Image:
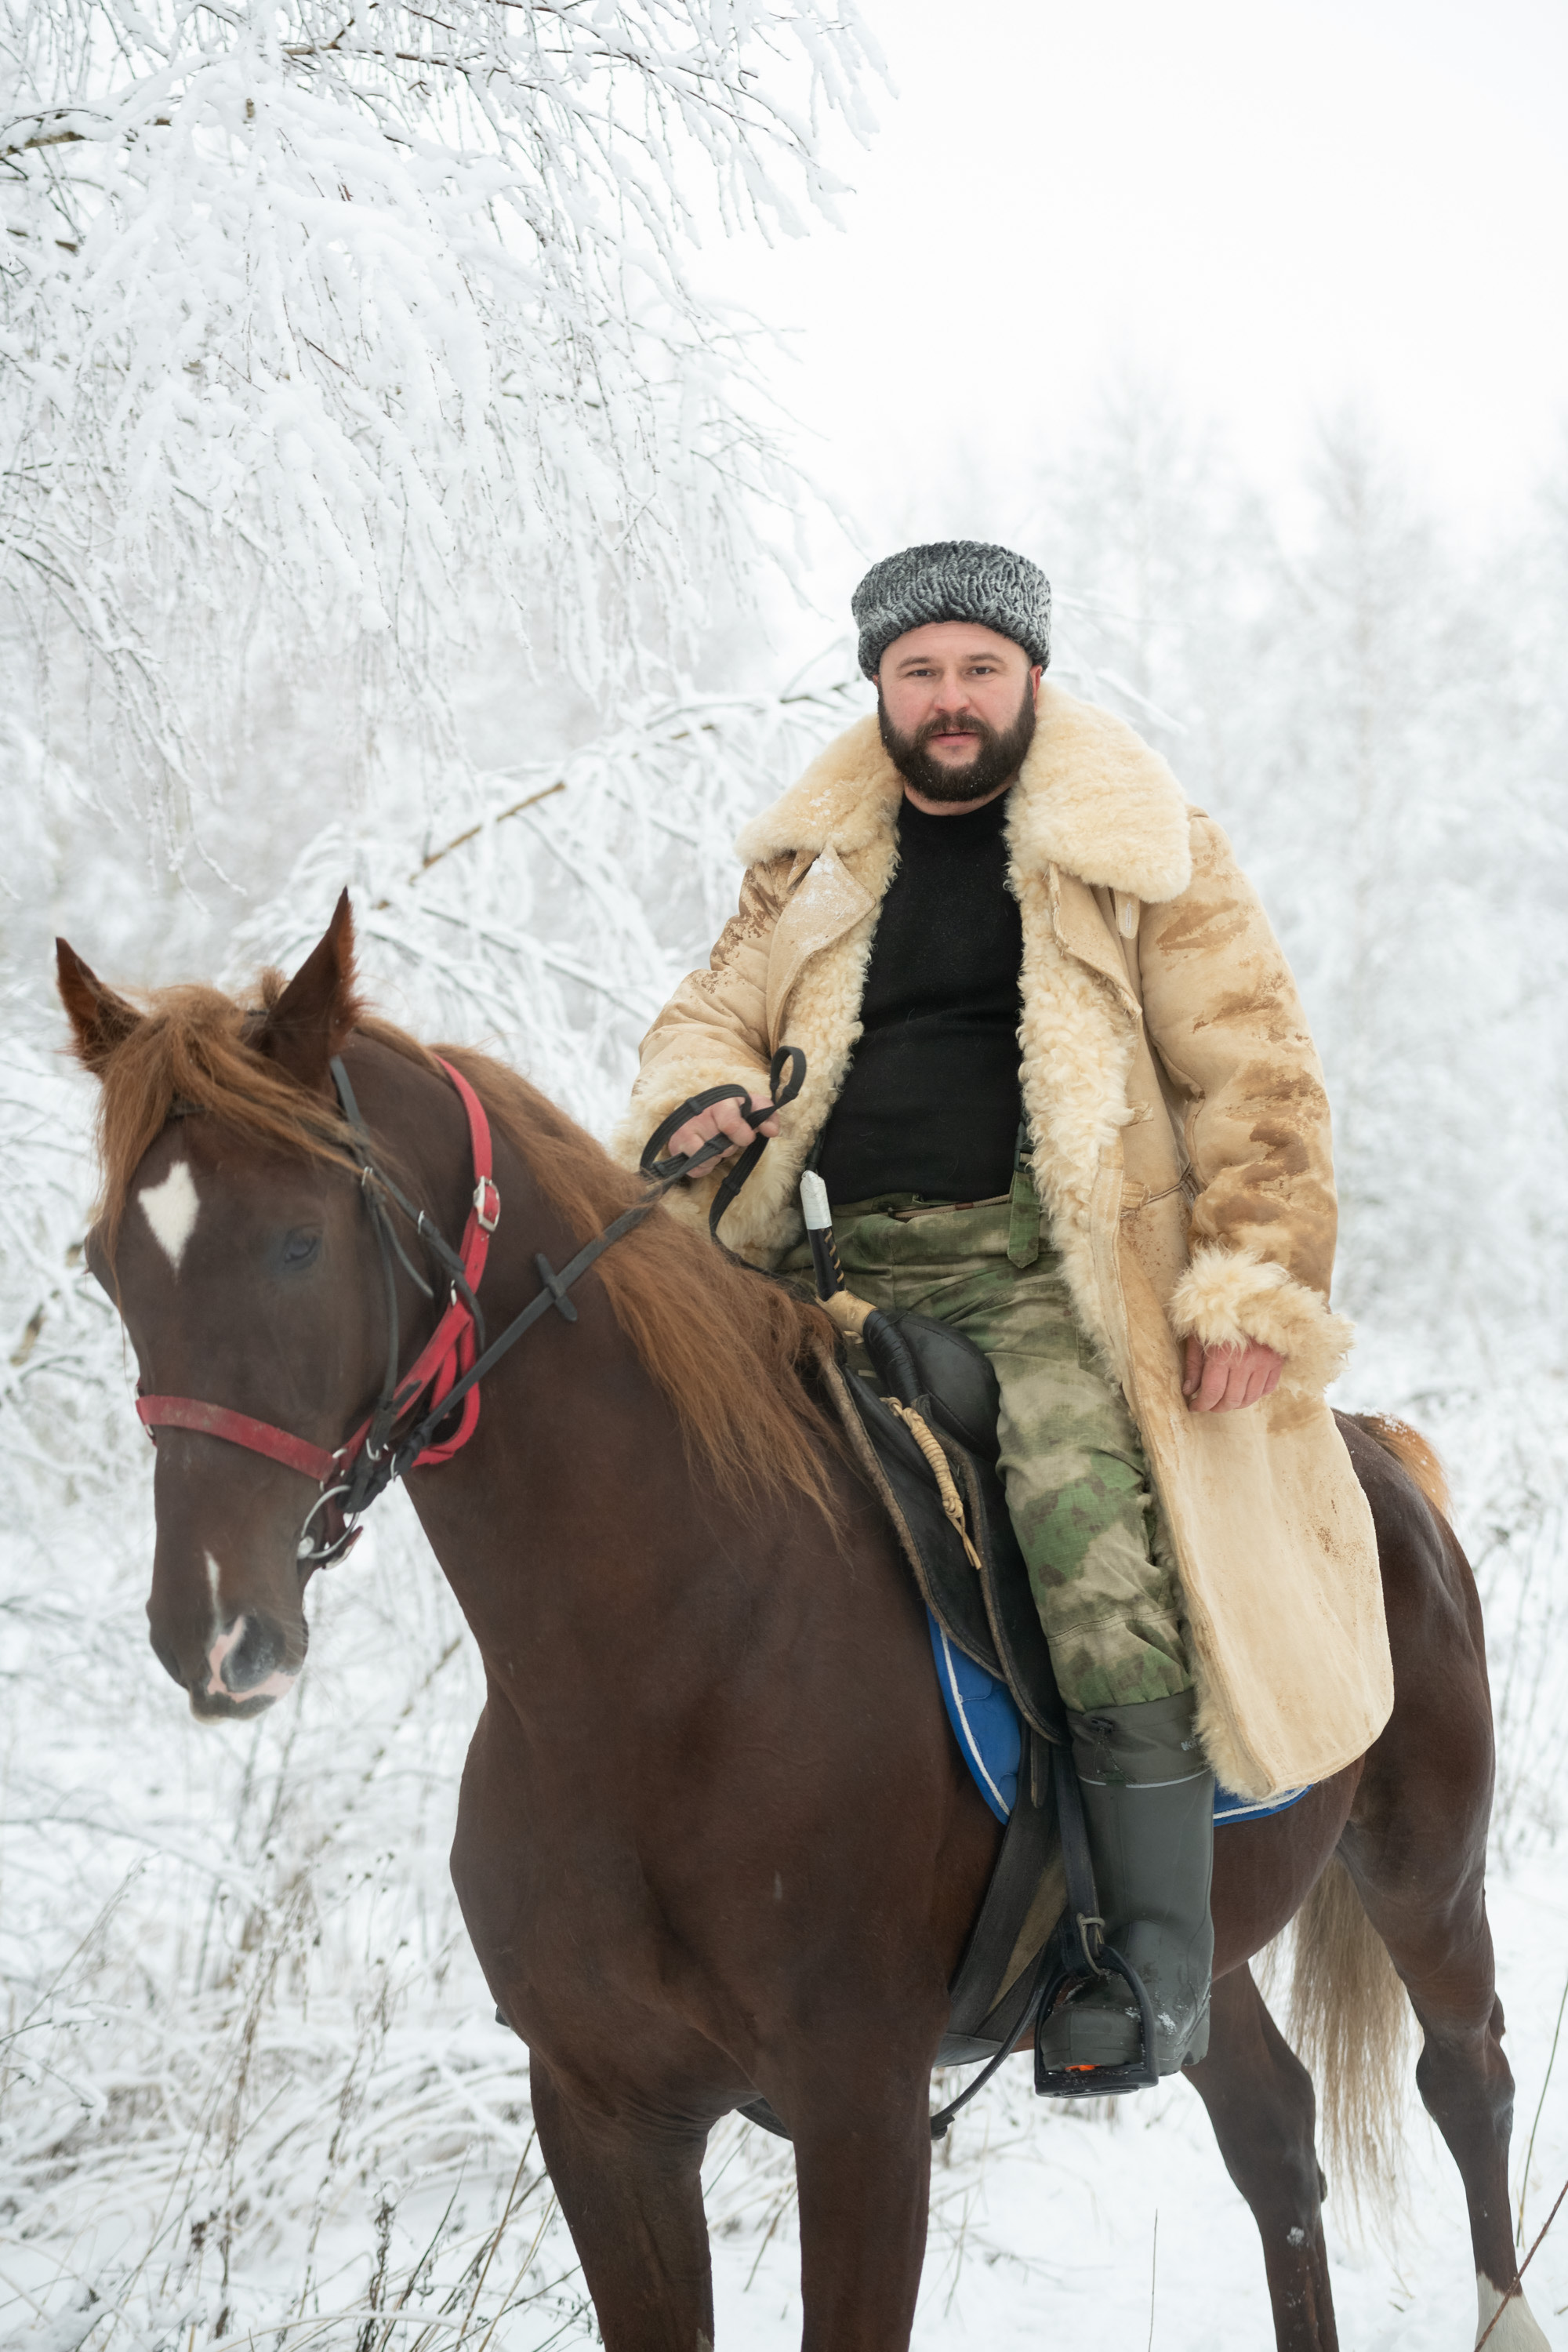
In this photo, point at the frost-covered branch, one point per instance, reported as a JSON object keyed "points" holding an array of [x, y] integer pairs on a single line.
{"points": [[554, 923], [351, 325]]}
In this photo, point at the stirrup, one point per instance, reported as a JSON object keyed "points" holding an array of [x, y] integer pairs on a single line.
{"points": [[1097, 2082]]}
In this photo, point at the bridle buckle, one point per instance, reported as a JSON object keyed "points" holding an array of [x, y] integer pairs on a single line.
{"points": [[487, 1204]]}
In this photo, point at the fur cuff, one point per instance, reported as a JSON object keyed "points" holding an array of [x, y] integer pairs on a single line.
{"points": [[1228, 1297]]}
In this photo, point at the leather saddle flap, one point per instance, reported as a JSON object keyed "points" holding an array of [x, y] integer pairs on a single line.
{"points": [[991, 1616], [965, 1396]]}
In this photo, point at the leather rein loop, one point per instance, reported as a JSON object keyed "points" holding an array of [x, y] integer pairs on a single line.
{"points": [[786, 1076], [453, 1361]]}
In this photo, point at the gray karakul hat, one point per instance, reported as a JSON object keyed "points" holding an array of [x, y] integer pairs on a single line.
{"points": [[953, 580]]}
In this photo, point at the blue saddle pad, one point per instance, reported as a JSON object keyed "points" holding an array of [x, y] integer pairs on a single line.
{"points": [[985, 1724]]}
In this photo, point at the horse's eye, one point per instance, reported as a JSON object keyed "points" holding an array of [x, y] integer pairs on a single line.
{"points": [[300, 1249]]}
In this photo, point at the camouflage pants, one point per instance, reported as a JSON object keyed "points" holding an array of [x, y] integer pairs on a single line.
{"points": [[1076, 1483]]}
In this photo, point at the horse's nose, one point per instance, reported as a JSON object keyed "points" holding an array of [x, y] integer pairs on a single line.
{"points": [[250, 1660], [255, 1656]]}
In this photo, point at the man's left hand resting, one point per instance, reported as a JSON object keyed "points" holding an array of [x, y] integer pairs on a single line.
{"points": [[1223, 1380]]}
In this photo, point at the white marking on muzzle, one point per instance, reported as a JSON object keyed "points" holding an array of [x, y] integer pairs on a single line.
{"points": [[278, 1682], [171, 1210], [216, 1686]]}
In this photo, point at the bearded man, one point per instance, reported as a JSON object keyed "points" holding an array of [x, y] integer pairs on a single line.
{"points": [[1061, 1092]]}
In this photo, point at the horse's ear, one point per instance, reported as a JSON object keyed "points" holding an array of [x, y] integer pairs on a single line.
{"points": [[100, 1020], [317, 1010]]}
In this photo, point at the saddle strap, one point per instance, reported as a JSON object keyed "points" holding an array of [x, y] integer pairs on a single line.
{"points": [[1026, 1852]]}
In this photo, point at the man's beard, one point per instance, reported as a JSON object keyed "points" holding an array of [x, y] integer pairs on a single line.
{"points": [[998, 760]]}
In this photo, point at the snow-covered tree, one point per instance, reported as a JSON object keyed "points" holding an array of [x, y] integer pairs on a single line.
{"points": [[377, 329], [1374, 716]]}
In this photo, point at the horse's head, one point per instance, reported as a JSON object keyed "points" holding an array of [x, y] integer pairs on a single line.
{"points": [[232, 1239]]}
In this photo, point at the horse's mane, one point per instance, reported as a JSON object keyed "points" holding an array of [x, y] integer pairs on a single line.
{"points": [[732, 1349]]}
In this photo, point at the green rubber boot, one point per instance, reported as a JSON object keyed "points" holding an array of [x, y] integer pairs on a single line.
{"points": [[1148, 1801]]}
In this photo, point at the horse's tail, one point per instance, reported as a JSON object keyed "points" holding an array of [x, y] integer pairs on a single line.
{"points": [[1413, 1451], [1350, 2026], [1350, 2018]]}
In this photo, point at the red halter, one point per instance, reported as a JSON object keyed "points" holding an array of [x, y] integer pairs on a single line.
{"points": [[446, 1354]]}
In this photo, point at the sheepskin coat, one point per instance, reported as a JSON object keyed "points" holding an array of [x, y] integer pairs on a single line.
{"points": [[1180, 1150]]}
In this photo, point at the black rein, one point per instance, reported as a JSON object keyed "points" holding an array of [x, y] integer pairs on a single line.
{"points": [[381, 1461]]}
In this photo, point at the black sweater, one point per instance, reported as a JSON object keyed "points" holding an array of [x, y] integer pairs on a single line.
{"points": [[931, 1102]]}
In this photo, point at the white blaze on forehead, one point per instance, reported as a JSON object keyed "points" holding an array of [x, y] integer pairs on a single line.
{"points": [[1517, 2331], [171, 1210]]}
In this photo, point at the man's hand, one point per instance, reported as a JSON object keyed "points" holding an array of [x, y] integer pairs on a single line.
{"points": [[721, 1118], [1223, 1379]]}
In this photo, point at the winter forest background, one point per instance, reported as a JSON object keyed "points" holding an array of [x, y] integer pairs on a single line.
{"points": [[384, 500]]}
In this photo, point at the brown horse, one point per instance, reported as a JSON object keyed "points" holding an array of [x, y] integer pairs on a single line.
{"points": [[714, 1839]]}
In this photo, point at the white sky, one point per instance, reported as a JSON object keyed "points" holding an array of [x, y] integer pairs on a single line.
{"points": [[1280, 205]]}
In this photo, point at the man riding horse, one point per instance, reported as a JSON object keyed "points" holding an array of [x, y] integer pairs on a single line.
{"points": [[1061, 1092]]}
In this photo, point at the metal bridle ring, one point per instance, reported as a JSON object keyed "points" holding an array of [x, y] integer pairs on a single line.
{"points": [[303, 1549]]}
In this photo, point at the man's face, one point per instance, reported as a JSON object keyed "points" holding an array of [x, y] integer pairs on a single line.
{"points": [[956, 705]]}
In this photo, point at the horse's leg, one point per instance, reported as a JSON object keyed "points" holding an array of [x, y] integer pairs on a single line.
{"points": [[1416, 1845], [632, 2196], [1260, 2100], [862, 2143], [1441, 1944]]}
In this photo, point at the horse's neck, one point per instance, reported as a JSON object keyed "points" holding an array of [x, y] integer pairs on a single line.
{"points": [[571, 1527]]}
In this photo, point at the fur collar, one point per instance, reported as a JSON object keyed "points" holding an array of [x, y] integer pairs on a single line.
{"points": [[1092, 798]]}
